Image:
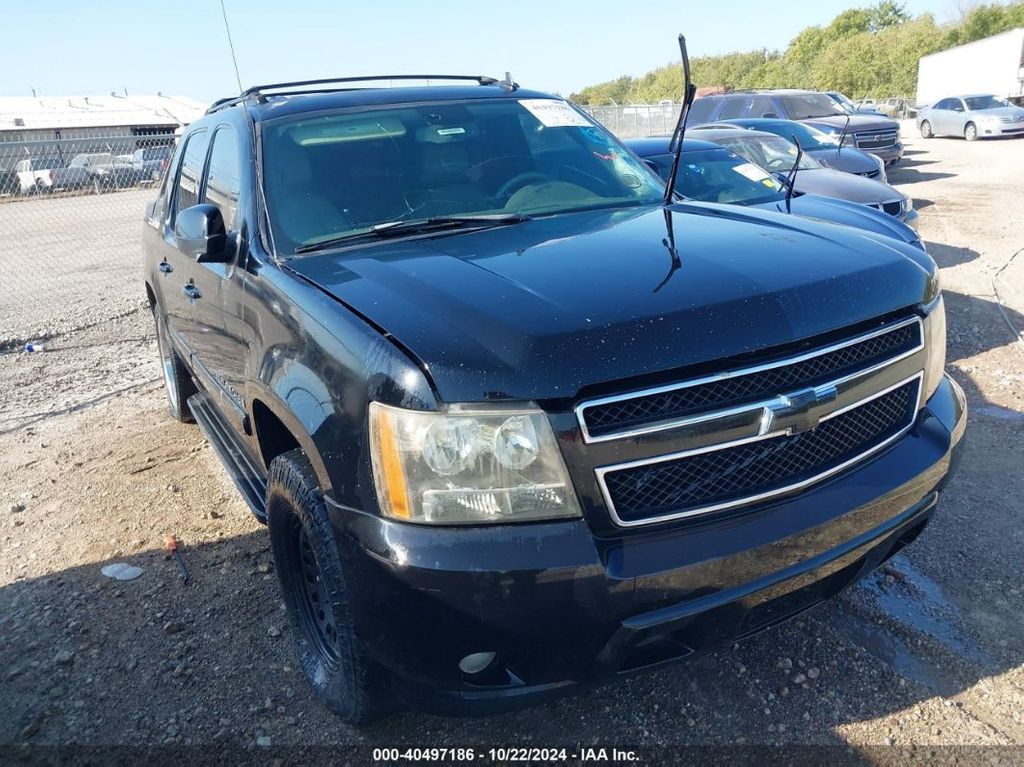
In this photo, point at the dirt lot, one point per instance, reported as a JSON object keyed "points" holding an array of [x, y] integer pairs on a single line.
{"points": [[928, 652]]}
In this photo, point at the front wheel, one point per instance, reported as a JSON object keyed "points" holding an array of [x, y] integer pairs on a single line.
{"points": [[178, 384], [316, 592], [970, 132], [926, 129]]}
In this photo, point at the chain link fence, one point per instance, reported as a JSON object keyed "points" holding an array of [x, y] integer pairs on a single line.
{"points": [[71, 209], [636, 120]]}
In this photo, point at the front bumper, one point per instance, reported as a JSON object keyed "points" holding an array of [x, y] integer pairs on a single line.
{"points": [[890, 155], [561, 607], [1002, 129]]}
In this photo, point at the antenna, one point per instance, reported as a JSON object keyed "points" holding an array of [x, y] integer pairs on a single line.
{"points": [[791, 178], [676, 144], [842, 135], [231, 45]]}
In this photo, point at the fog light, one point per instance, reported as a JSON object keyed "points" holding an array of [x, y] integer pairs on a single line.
{"points": [[476, 662]]}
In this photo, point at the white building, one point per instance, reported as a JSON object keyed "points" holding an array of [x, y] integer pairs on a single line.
{"points": [[66, 125]]}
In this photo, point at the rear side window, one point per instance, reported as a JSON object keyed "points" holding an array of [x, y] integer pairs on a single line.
{"points": [[733, 108], [187, 188], [223, 177]]}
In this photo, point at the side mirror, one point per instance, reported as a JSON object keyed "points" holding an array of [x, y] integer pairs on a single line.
{"points": [[199, 233]]}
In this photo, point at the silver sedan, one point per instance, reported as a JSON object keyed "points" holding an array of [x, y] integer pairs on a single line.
{"points": [[973, 117]]}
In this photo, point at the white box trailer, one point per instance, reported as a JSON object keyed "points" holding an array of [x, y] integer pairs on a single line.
{"points": [[993, 65]]}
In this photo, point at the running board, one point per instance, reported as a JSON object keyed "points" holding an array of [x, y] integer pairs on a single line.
{"points": [[248, 478]]}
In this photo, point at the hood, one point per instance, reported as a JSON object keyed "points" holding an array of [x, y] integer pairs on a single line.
{"points": [[858, 122], [845, 186], [847, 159], [836, 211], [543, 309], [1013, 112]]}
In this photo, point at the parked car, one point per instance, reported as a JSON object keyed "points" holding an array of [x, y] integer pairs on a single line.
{"points": [[877, 135], [778, 155], [709, 172], [516, 423], [973, 117], [9, 183], [48, 174], [151, 162], [107, 172], [823, 147]]}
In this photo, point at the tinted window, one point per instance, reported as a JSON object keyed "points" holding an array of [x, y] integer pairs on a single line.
{"points": [[222, 181], [187, 192], [804, 105], [733, 108], [771, 152], [701, 110], [941, 104], [985, 102], [763, 106]]}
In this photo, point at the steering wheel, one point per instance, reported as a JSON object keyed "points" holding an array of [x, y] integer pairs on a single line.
{"points": [[519, 180], [778, 163]]}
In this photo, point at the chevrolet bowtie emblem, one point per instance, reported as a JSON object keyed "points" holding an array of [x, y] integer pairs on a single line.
{"points": [[800, 411]]}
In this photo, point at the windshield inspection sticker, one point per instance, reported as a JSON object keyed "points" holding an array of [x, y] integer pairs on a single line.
{"points": [[553, 113], [751, 171]]}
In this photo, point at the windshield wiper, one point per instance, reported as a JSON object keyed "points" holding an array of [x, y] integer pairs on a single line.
{"points": [[404, 226]]}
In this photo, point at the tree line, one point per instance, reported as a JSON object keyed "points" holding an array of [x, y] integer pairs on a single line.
{"points": [[863, 52]]}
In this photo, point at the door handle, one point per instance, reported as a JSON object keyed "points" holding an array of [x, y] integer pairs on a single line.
{"points": [[191, 292], [165, 267]]}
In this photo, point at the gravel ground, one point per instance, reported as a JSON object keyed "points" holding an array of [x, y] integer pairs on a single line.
{"points": [[926, 653]]}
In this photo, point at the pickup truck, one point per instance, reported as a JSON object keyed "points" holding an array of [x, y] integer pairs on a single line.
{"points": [[107, 172], [516, 422], [48, 174]]}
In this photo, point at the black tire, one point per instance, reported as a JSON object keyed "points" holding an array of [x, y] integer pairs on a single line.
{"points": [[926, 129], [315, 592], [178, 385], [971, 132]]}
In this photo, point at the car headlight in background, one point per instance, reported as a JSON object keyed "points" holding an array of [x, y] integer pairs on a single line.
{"points": [[469, 465], [935, 345]]}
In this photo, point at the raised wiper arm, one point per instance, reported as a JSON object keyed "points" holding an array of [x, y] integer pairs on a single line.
{"points": [[675, 146], [791, 178], [403, 226]]}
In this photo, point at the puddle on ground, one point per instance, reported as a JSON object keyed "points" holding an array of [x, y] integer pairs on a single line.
{"points": [[917, 602]]}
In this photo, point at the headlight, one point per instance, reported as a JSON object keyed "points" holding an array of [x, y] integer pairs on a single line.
{"points": [[468, 466], [935, 346]]}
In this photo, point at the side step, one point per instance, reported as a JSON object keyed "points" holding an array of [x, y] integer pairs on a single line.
{"points": [[248, 477]]}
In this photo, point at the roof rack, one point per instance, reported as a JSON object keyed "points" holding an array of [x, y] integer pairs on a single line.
{"points": [[260, 92]]}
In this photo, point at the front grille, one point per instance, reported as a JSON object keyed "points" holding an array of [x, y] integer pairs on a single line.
{"points": [[876, 139], [1011, 120], [740, 475], [604, 419], [893, 207]]}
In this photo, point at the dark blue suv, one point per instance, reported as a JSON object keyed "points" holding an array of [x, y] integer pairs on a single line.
{"points": [[514, 422]]}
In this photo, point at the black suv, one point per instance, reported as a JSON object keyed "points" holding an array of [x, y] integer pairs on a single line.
{"points": [[513, 422], [875, 134]]}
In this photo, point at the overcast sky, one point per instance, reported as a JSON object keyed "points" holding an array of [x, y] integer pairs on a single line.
{"points": [[69, 47]]}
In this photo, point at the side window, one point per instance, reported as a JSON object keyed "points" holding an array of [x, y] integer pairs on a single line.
{"points": [[943, 104], [701, 110], [186, 193], [957, 105], [763, 106], [223, 175], [734, 107]]}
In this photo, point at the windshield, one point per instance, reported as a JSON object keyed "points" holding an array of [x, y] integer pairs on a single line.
{"points": [[804, 105], [771, 152], [809, 136], [718, 175], [844, 103], [345, 173], [975, 103]]}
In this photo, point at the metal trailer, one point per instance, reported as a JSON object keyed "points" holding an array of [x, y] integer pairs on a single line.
{"points": [[993, 65]]}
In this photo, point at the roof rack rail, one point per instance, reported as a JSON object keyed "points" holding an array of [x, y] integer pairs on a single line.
{"points": [[259, 92]]}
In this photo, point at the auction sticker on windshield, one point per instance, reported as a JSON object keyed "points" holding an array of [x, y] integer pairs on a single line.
{"points": [[553, 113], [751, 171]]}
